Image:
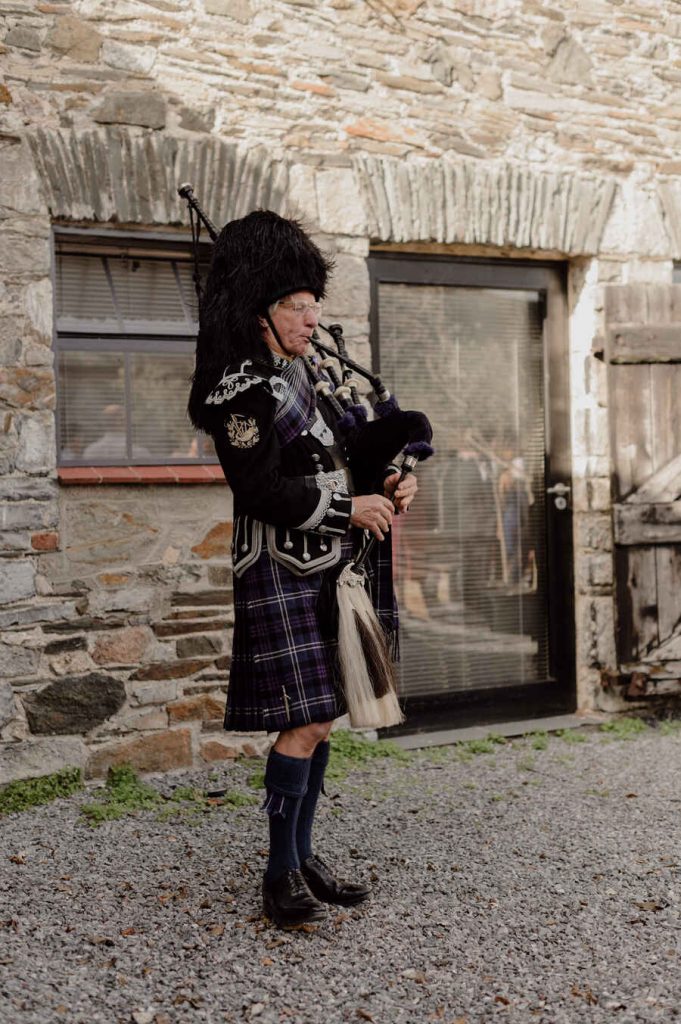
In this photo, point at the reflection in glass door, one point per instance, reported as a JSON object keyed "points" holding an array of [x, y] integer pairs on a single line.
{"points": [[471, 556]]}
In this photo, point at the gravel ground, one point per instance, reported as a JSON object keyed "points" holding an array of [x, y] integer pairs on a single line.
{"points": [[522, 885]]}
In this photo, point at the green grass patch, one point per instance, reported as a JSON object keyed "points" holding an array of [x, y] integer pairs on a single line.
{"points": [[538, 740], [27, 793], [436, 755], [571, 735], [487, 745], [670, 727], [256, 780], [624, 728], [350, 750], [125, 793]]}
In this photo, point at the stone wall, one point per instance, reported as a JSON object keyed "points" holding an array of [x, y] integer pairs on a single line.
{"points": [[500, 127]]}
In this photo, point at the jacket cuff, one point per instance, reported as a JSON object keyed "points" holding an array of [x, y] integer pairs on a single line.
{"points": [[331, 515]]}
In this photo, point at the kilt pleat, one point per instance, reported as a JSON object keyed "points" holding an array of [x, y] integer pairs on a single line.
{"points": [[283, 672]]}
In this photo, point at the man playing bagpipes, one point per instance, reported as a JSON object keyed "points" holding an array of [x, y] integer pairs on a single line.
{"points": [[308, 475]]}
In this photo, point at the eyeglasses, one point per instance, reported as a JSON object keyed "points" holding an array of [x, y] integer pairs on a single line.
{"points": [[302, 307]]}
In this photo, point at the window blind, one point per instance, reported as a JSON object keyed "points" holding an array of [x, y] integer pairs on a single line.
{"points": [[126, 327], [470, 556]]}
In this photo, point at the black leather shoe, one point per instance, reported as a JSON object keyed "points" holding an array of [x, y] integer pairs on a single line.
{"points": [[325, 887], [288, 901]]}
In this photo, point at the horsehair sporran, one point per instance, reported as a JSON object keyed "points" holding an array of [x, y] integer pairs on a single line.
{"points": [[366, 667]]}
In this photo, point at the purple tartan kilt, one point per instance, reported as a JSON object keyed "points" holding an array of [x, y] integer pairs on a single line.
{"points": [[283, 672]]}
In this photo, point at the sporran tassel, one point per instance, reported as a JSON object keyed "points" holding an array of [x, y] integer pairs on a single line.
{"points": [[366, 669]]}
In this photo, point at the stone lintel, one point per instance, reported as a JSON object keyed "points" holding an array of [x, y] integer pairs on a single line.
{"points": [[130, 175]]}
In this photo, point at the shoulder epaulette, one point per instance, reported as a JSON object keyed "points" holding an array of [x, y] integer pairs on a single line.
{"points": [[235, 381]]}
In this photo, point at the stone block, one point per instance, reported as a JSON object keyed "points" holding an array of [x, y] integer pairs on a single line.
{"points": [[157, 752], [141, 720], [27, 489], [214, 750], [28, 615], [593, 531], [200, 707], [596, 632], [571, 64], [182, 626], [71, 663], [489, 85], [35, 757], [341, 209], [14, 541], [152, 693], [48, 541], [216, 543], [122, 646], [594, 572], [104, 527], [146, 109], [16, 661], [193, 120], [17, 581], [29, 515], [38, 304], [348, 292], [75, 39], [73, 705], [8, 704], [171, 669], [19, 184], [72, 643], [239, 10], [127, 599], [27, 388], [135, 59], [301, 197], [23, 37], [598, 495], [196, 646], [220, 576], [37, 446]]}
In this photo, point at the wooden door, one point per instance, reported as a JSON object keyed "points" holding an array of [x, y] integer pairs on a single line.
{"points": [[643, 349]]}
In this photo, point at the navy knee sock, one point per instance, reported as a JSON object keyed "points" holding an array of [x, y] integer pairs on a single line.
{"points": [[308, 805], [286, 783]]}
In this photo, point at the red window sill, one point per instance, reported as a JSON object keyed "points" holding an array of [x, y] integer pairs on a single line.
{"points": [[74, 475]]}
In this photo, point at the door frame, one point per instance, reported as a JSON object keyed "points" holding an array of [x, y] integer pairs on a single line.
{"points": [[557, 695]]}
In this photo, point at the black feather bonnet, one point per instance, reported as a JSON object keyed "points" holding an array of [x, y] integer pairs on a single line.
{"points": [[256, 260]]}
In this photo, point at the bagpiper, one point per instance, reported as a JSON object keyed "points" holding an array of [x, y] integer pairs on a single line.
{"points": [[309, 484]]}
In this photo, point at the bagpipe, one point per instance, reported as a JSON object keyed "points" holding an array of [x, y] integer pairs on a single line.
{"points": [[345, 607]]}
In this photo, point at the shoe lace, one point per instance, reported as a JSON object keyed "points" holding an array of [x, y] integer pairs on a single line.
{"points": [[298, 883]]}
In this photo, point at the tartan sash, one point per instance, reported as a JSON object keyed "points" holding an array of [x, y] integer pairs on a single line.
{"points": [[298, 406]]}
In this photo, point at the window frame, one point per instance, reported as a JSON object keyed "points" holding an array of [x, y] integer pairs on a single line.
{"points": [[103, 241]]}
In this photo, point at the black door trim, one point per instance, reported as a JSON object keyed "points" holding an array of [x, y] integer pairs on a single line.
{"points": [[550, 280]]}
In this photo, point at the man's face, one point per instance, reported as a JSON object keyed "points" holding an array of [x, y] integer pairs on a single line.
{"points": [[295, 318]]}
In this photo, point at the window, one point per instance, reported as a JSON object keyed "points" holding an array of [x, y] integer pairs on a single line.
{"points": [[126, 323]]}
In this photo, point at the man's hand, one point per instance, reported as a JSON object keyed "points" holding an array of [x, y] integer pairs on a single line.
{"points": [[372, 512], [404, 495]]}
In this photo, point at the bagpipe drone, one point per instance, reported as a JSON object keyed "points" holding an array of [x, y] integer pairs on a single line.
{"points": [[346, 611]]}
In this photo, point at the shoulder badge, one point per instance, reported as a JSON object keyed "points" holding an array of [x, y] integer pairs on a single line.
{"points": [[242, 431]]}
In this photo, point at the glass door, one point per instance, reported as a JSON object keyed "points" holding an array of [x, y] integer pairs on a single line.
{"points": [[477, 559]]}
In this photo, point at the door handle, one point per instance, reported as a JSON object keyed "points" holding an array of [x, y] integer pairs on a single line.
{"points": [[560, 491]]}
